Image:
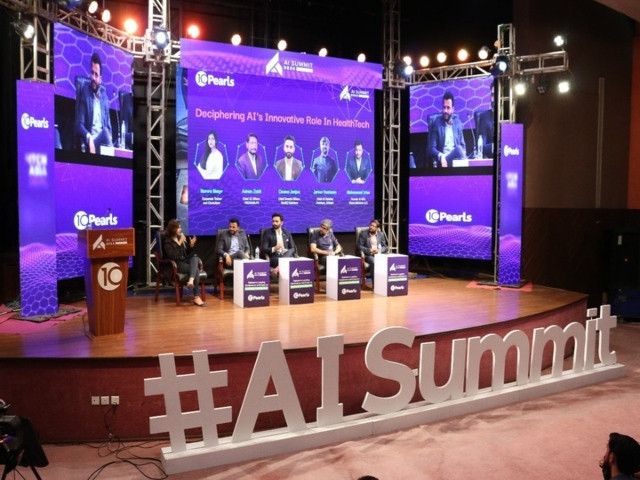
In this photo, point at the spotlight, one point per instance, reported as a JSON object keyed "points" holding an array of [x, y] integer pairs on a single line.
{"points": [[362, 57], [484, 52], [282, 45], [542, 85], [236, 40], [564, 85], [25, 29], [441, 57], [407, 60], [130, 26], [424, 61], [193, 31], [500, 65], [520, 87], [106, 16], [93, 7], [323, 52], [560, 41], [160, 38], [463, 55]]}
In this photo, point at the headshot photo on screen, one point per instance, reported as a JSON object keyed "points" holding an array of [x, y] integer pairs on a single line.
{"points": [[210, 161], [358, 165], [288, 167], [325, 163], [251, 162], [93, 122]]}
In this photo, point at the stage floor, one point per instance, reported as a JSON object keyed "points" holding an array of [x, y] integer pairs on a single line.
{"points": [[432, 306]]}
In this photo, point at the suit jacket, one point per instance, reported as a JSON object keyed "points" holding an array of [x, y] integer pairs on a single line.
{"points": [[324, 171], [296, 168], [364, 242], [246, 169], [354, 172], [437, 134], [224, 242], [84, 113], [269, 241]]}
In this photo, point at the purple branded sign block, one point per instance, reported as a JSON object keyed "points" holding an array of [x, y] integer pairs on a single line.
{"points": [[296, 281], [397, 275], [36, 192], [511, 191], [251, 283], [222, 57], [343, 277]]}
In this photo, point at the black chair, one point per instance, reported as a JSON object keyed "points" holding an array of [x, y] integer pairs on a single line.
{"points": [[225, 273], [167, 272], [359, 253]]}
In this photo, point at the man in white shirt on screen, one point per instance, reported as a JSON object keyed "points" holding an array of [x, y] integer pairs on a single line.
{"points": [[289, 168]]}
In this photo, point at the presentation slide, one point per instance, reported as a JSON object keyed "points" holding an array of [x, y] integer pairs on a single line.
{"points": [[93, 140], [273, 132]]}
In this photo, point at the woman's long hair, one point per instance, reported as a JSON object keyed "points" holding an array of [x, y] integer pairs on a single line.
{"points": [[172, 227], [207, 150]]}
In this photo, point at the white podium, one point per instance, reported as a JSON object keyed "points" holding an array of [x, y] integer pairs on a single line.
{"points": [[391, 277], [251, 283], [343, 277]]}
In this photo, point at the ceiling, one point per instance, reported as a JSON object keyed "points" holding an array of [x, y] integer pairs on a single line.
{"points": [[631, 8]]}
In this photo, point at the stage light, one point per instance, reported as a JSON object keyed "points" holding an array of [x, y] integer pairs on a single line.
{"points": [[323, 52], [160, 38], [520, 87], [542, 85], [236, 39], [193, 31], [564, 86], [441, 57], [130, 26], [424, 61], [463, 55], [93, 7], [500, 65], [25, 29], [484, 52], [560, 41], [407, 60], [402, 69], [106, 16], [282, 45], [362, 57]]}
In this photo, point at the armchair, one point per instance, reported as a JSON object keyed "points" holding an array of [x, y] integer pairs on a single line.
{"points": [[167, 272]]}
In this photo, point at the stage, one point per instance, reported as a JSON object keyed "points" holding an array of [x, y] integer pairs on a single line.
{"points": [[50, 375]]}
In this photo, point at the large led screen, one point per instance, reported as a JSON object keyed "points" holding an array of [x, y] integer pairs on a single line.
{"points": [[451, 184], [261, 131], [93, 140]]}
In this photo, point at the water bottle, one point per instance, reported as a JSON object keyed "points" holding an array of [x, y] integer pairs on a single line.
{"points": [[123, 133], [257, 253], [480, 153]]}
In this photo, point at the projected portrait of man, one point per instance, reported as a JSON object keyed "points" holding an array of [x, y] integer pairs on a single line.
{"points": [[93, 124], [446, 140], [358, 166], [324, 166], [289, 168], [250, 164]]}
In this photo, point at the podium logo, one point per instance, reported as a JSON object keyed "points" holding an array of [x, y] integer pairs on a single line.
{"points": [[301, 295], [255, 298], [349, 290], [273, 65], [99, 244], [83, 220], [295, 273], [397, 287], [110, 276], [250, 275], [343, 269]]}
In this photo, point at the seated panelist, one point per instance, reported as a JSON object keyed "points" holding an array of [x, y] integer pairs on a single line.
{"points": [[372, 242], [324, 243], [277, 242], [233, 243]]}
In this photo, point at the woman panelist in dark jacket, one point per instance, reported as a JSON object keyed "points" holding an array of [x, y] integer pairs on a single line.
{"points": [[178, 247]]}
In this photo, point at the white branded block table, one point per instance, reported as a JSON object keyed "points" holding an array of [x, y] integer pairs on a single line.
{"points": [[343, 277], [295, 283], [391, 275], [251, 283]]}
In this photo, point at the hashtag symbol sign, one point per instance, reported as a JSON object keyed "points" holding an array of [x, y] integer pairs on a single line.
{"points": [[170, 385]]}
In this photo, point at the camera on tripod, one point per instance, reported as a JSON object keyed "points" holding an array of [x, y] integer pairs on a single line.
{"points": [[19, 444]]}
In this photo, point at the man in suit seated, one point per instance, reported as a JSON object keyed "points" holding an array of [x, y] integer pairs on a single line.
{"points": [[233, 243], [93, 123], [277, 242], [446, 140], [372, 242], [358, 167]]}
